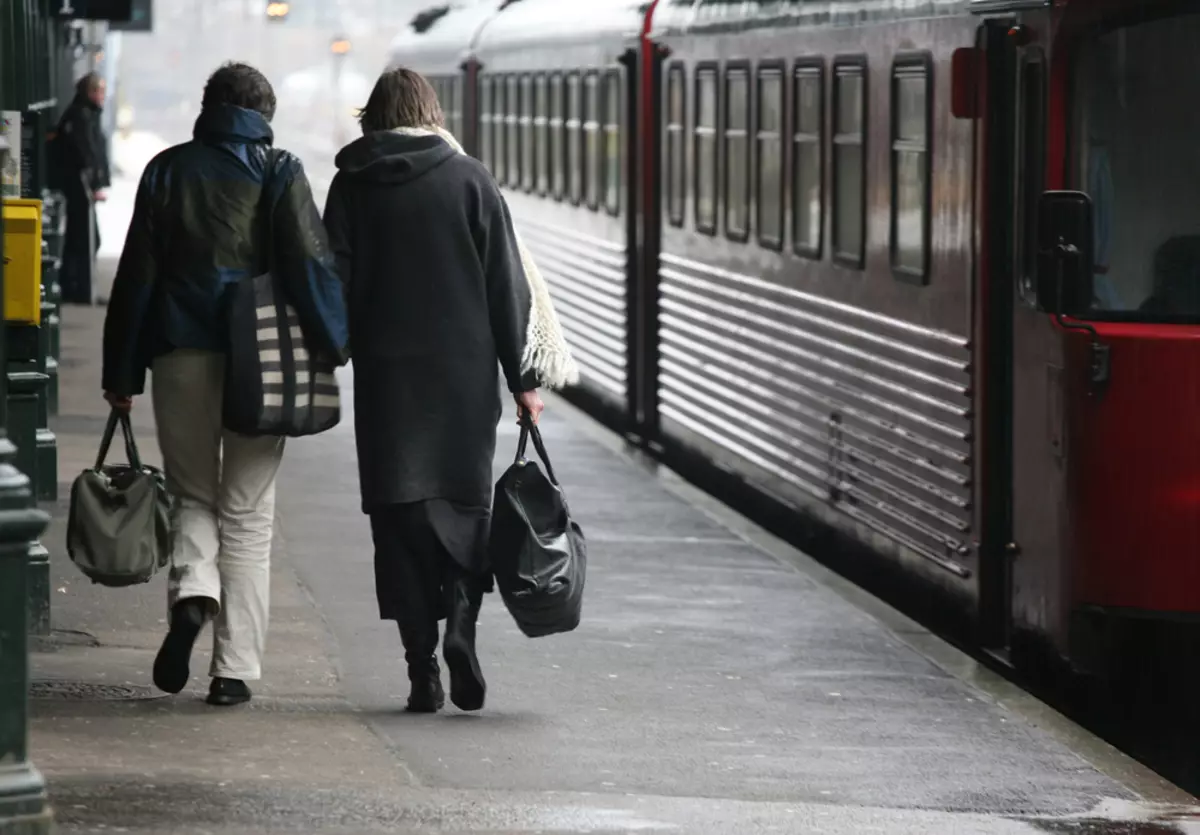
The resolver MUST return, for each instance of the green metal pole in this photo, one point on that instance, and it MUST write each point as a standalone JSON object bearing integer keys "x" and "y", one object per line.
{"x": 25, "y": 384}
{"x": 24, "y": 808}
{"x": 47, "y": 443}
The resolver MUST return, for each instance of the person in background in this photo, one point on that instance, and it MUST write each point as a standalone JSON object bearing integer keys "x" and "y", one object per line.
{"x": 201, "y": 224}
{"x": 81, "y": 160}
{"x": 438, "y": 303}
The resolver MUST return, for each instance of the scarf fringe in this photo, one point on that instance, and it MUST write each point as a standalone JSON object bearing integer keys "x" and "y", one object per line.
{"x": 546, "y": 350}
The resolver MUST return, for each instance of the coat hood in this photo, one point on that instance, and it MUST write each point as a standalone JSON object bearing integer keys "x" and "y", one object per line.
{"x": 229, "y": 123}
{"x": 391, "y": 157}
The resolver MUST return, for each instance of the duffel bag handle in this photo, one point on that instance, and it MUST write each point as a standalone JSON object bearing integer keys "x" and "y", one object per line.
{"x": 116, "y": 418}
{"x": 529, "y": 430}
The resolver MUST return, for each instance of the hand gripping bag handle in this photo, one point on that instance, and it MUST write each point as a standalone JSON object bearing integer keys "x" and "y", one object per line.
{"x": 131, "y": 450}
{"x": 529, "y": 430}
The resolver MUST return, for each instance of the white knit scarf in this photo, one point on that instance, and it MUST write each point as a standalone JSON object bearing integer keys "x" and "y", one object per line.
{"x": 546, "y": 349}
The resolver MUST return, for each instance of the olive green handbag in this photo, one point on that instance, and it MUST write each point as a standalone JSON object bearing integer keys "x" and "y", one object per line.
{"x": 119, "y": 526}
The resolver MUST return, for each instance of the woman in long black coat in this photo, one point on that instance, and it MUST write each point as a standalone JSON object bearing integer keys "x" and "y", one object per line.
{"x": 438, "y": 299}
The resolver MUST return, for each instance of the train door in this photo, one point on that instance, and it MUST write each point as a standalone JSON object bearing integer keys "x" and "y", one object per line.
{"x": 1024, "y": 447}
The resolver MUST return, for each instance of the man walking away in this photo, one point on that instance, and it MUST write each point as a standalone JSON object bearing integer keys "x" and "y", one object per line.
{"x": 81, "y": 160}
{"x": 209, "y": 214}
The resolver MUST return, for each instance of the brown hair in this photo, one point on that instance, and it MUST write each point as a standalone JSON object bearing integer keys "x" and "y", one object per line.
{"x": 401, "y": 99}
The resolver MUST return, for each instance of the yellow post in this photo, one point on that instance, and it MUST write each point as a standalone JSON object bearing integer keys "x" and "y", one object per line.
{"x": 23, "y": 261}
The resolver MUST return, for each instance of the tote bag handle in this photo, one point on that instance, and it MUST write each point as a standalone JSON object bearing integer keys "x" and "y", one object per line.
{"x": 529, "y": 431}
{"x": 131, "y": 450}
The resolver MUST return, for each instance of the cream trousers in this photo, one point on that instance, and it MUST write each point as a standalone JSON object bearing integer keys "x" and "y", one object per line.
{"x": 224, "y": 485}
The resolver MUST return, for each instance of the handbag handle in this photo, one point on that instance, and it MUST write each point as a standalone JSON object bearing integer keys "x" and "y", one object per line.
{"x": 529, "y": 430}
{"x": 131, "y": 450}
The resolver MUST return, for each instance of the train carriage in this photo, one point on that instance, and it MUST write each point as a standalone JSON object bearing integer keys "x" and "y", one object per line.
{"x": 556, "y": 94}
{"x": 921, "y": 273}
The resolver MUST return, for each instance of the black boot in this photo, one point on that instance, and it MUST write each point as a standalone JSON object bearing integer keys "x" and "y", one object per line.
{"x": 171, "y": 665}
{"x": 425, "y": 677}
{"x": 464, "y": 596}
{"x": 225, "y": 692}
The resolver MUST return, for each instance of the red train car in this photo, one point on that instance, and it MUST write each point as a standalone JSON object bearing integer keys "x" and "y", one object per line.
{"x": 920, "y": 274}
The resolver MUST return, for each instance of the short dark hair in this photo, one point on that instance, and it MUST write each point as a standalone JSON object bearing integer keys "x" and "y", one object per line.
{"x": 242, "y": 86}
{"x": 401, "y": 99}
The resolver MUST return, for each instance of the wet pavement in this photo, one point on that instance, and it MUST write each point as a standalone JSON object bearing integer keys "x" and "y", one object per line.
{"x": 719, "y": 683}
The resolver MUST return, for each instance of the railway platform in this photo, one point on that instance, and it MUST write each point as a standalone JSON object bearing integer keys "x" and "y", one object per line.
{"x": 721, "y": 683}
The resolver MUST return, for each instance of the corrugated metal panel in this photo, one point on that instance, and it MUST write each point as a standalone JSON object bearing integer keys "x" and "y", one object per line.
{"x": 865, "y": 412}
{"x": 586, "y": 276}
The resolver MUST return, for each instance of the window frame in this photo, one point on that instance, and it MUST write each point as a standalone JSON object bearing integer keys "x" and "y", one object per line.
{"x": 805, "y": 67}
{"x": 858, "y": 63}
{"x": 733, "y": 69}
{"x": 777, "y": 68}
{"x": 702, "y": 68}
{"x": 676, "y": 68}
{"x": 612, "y": 81}
{"x": 910, "y": 64}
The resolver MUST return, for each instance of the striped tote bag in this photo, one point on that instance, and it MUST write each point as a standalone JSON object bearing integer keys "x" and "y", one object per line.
{"x": 274, "y": 385}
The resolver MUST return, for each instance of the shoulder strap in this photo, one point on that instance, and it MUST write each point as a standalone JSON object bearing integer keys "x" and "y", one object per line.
{"x": 266, "y": 207}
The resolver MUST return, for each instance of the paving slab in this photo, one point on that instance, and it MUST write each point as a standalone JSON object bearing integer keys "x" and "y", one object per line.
{"x": 713, "y": 687}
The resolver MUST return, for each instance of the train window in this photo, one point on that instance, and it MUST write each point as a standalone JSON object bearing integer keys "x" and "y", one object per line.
{"x": 706, "y": 149}
{"x": 499, "y": 151}
{"x": 512, "y": 133}
{"x": 541, "y": 129}
{"x": 591, "y": 139}
{"x": 808, "y": 158}
{"x": 612, "y": 142}
{"x": 485, "y": 123}
{"x": 769, "y": 139}
{"x": 574, "y": 132}
{"x": 910, "y": 168}
{"x": 737, "y": 153}
{"x": 849, "y": 162}
{"x": 675, "y": 153}
{"x": 557, "y": 133}
{"x": 527, "y": 172}
{"x": 456, "y": 107}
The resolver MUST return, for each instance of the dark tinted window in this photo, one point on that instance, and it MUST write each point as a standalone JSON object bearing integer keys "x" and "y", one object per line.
{"x": 849, "y": 164}
{"x": 574, "y": 138}
{"x": 499, "y": 147}
{"x": 737, "y": 154}
{"x": 910, "y": 168}
{"x": 808, "y": 145}
{"x": 676, "y": 164}
{"x": 591, "y": 139}
{"x": 541, "y": 123}
{"x": 557, "y": 135}
{"x": 770, "y": 156}
{"x": 527, "y": 140}
{"x": 512, "y": 130}
{"x": 612, "y": 142}
{"x": 706, "y": 149}
{"x": 485, "y": 123}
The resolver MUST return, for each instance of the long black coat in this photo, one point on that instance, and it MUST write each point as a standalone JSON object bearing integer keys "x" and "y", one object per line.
{"x": 437, "y": 300}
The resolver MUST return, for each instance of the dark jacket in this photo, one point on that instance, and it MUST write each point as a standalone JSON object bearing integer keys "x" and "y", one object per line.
{"x": 197, "y": 229}
{"x": 437, "y": 298}
{"x": 81, "y": 146}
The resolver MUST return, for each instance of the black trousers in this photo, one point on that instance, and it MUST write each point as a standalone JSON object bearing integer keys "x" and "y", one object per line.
{"x": 79, "y": 247}
{"x": 421, "y": 548}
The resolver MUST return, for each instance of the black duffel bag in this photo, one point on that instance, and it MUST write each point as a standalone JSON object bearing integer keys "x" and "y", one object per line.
{"x": 537, "y": 550}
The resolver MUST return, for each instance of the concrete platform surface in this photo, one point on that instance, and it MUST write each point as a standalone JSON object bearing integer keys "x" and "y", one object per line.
{"x": 720, "y": 684}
